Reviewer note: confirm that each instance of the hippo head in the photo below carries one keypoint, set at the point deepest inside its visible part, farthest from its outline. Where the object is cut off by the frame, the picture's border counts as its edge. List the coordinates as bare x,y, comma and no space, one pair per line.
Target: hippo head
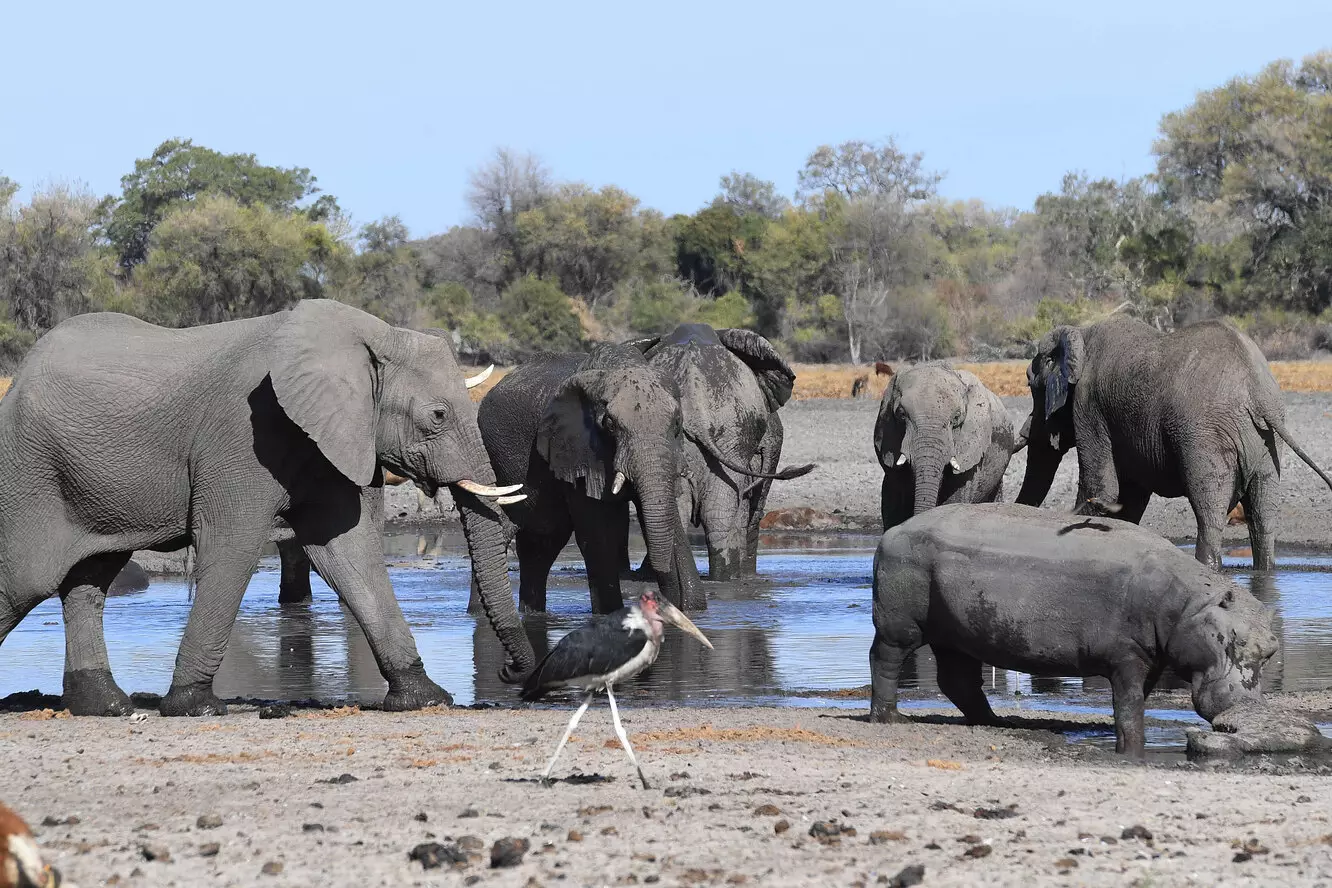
1222,647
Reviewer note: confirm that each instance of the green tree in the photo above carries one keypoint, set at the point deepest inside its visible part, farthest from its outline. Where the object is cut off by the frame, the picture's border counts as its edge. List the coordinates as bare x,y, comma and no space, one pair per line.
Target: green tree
588,240
49,265
539,317
179,172
216,260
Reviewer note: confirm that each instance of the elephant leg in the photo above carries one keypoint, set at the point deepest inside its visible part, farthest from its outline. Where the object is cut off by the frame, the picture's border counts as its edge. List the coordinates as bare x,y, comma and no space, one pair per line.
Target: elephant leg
595,524
352,562
1128,686
726,527
536,556
888,652
1262,506
89,688
226,559
959,677
1209,485
294,586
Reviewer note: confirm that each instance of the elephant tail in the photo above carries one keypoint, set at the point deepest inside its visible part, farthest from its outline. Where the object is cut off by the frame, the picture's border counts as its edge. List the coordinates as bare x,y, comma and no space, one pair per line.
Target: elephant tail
1280,429
785,474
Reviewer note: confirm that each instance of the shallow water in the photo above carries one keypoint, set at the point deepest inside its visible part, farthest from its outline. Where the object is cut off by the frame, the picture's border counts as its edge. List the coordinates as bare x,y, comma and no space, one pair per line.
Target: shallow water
790,638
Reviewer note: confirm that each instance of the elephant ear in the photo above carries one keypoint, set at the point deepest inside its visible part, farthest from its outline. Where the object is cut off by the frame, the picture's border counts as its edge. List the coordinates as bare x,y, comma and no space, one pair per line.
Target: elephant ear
1065,346
973,438
889,430
570,437
324,370
774,375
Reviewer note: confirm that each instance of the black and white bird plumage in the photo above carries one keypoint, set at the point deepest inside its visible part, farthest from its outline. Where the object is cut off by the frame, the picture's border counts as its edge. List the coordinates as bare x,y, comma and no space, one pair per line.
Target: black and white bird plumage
609,648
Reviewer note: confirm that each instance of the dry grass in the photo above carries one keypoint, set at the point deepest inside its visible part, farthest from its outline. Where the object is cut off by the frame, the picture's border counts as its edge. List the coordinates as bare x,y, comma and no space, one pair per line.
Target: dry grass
4,385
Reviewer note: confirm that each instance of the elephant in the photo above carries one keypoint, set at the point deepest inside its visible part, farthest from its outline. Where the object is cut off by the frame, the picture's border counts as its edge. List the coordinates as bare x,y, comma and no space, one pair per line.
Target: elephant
731,384
942,437
127,436
1039,591
585,434
1192,413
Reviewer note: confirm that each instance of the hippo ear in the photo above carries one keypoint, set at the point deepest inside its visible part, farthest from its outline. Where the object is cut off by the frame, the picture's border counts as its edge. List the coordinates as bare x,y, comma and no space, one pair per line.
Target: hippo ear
774,375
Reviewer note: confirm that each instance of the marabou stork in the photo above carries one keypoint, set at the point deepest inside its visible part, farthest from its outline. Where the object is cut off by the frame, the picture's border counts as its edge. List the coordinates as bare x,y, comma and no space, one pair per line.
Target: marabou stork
610,648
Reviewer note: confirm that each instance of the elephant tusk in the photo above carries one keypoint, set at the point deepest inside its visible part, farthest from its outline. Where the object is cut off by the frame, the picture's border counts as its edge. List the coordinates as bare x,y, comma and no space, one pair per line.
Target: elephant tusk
511,499
487,490
618,484
901,460
956,468
474,381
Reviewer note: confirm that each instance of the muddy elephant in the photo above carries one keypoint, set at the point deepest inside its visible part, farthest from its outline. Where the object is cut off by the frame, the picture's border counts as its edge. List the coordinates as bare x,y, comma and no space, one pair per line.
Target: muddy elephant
731,385
129,436
585,434
942,437
1052,594
1193,413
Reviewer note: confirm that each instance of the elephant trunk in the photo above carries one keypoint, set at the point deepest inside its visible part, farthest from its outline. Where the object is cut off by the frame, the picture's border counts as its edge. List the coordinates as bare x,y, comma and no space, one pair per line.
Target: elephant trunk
929,458
487,545
1042,463
667,545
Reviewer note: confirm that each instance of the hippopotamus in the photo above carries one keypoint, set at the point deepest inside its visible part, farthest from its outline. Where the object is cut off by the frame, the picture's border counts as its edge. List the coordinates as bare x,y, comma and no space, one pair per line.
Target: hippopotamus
1051,593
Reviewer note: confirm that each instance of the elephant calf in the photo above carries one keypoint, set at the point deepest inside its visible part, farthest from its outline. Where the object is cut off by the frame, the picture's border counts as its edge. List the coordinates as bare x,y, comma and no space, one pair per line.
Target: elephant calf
1049,594
942,437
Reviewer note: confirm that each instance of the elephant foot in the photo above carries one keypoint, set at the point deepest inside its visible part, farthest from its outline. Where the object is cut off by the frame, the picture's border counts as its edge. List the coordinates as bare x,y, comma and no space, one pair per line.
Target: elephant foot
413,689
887,715
94,692
194,699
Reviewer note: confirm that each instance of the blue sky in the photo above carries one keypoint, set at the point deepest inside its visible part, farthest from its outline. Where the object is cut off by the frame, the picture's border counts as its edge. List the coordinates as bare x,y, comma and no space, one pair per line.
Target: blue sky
391,104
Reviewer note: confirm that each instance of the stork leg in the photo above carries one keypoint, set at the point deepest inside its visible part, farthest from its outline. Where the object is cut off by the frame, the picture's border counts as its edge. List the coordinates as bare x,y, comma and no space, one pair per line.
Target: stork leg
624,738
568,732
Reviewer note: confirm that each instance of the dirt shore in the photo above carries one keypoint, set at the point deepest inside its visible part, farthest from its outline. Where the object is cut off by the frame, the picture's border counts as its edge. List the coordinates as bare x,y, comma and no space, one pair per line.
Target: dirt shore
972,806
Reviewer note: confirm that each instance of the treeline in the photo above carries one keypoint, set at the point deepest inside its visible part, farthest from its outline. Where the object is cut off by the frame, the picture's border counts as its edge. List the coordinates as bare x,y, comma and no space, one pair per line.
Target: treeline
865,261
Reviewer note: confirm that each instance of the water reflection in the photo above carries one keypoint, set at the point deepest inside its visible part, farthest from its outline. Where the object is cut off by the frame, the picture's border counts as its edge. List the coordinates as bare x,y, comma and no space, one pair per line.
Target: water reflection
801,630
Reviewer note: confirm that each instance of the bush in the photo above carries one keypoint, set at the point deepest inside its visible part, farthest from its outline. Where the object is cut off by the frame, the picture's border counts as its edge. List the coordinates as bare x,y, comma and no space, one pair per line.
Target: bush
539,317
1281,335
731,310
14,345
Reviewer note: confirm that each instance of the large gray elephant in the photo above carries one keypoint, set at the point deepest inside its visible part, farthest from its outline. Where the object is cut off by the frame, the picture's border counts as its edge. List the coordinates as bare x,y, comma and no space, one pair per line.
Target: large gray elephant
731,385
942,437
584,434
1193,413
127,436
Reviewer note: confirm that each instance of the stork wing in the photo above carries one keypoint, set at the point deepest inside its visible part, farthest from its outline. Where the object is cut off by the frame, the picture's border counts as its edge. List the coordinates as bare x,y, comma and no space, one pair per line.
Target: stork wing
585,653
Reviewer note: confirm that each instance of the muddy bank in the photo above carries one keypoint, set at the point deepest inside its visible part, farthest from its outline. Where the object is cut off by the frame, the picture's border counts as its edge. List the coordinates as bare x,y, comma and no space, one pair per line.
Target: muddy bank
759,796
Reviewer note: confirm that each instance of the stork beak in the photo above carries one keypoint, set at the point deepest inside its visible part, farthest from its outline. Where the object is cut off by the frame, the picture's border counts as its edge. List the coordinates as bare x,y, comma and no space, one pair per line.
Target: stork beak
671,614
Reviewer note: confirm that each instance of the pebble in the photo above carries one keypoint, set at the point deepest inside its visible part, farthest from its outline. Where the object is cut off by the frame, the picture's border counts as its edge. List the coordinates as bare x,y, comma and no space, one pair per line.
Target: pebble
883,836
781,826
508,852
341,779
209,821
978,851
276,710
209,849
767,811
312,827
272,868
910,875
471,843
1138,831
159,853
423,817
574,836
469,812
433,855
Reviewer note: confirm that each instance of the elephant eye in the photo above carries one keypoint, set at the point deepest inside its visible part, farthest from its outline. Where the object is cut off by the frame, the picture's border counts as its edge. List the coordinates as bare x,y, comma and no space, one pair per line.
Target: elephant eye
957,420
439,413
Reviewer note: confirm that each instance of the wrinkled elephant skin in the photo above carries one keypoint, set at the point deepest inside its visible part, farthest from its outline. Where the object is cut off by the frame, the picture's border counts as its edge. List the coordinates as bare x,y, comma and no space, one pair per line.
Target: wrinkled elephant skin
130,436
1051,594
585,435
1210,398
941,437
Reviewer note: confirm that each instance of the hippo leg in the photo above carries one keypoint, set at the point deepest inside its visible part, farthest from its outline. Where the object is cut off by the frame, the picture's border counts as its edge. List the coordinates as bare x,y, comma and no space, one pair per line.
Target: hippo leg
1128,685
959,678
887,654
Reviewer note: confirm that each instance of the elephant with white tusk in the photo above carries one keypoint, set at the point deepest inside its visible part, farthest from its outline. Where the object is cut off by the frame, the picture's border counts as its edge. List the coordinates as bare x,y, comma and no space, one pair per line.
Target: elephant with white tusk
942,437
127,436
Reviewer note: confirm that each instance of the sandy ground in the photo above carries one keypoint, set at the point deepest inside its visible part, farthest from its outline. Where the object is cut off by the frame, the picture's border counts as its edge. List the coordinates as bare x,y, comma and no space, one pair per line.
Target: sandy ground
839,436
724,785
